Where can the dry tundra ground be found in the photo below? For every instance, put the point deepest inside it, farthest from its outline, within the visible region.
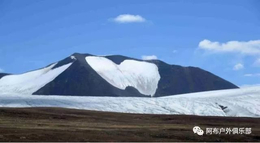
(59, 124)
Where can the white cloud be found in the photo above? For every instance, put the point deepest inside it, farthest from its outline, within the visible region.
(151, 57)
(248, 75)
(128, 18)
(238, 66)
(1, 70)
(252, 75)
(248, 48)
(257, 63)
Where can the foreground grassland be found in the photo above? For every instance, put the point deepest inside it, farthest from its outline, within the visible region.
(59, 124)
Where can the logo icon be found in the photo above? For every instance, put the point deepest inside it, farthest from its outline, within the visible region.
(197, 130)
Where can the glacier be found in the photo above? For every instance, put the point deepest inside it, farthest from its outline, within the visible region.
(141, 75)
(243, 102)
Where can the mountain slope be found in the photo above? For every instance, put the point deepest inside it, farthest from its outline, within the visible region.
(88, 75)
(178, 80)
(30, 82)
(81, 79)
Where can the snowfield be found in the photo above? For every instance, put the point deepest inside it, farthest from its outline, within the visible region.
(30, 82)
(244, 102)
(143, 76)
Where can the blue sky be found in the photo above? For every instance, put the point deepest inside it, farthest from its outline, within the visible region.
(221, 36)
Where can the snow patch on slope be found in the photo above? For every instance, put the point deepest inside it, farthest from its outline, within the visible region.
(238, 105)
(73, 58)
(143, 76)
(30, 82)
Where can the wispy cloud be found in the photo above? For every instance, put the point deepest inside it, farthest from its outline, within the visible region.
(150, 57)
(174, 51)
(128, 18)
(257, 63)
(1, 70)
(238, 66)
(243, 47)
(252, 75)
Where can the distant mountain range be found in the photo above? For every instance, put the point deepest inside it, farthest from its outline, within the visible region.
(115, 75)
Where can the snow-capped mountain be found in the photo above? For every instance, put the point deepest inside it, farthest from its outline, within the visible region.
(94, 82)
(89, 75)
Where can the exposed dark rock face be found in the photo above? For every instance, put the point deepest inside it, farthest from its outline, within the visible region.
(3, 74)
(178, 80)
(81, 79)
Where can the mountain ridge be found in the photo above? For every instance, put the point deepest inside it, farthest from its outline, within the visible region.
(81, 79)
